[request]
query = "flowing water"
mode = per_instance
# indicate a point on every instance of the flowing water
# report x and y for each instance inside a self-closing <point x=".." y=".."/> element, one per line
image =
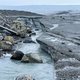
<point x="10" y="69"/>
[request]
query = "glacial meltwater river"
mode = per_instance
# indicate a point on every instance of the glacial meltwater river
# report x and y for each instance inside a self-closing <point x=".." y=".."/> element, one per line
<point x="10" y="69"/>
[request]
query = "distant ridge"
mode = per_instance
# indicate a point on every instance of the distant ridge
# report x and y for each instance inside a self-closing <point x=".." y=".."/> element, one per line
<point x="20" y="13"/>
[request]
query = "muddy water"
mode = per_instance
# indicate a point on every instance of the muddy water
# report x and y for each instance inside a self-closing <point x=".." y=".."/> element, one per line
<point x="9" y="69"/>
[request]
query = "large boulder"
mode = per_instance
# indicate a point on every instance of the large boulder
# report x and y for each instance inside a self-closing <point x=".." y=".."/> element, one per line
<point x="9" y="38"/>
<point x="20" y="27"/>
<point x="6" y="45"/>
<point x="17" y="55"/>
<point x="31" y="58"/>
<point x="24" y="77"/>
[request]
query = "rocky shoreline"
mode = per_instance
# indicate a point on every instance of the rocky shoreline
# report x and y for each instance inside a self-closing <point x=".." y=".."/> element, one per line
<point x="60" y="38"/>
<point x="61" y="41"/>
<point x="63" y="56"/>
<point x="18" y="31"/>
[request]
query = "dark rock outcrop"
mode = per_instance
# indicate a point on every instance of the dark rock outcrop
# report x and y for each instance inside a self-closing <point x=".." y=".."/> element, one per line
<point x="17" y="55"/>
<point x="25" y="59"/>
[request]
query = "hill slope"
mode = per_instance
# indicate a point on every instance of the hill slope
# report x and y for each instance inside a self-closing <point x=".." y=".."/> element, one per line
<point x="15" y="13"/>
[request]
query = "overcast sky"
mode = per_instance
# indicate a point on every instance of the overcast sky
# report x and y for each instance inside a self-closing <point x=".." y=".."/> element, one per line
<point x="39" y="2"/>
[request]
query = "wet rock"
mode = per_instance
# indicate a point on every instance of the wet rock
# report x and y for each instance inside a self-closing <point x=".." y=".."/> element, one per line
<point x="25" y="59"/>
<point x="31" y="58"/>
<point x="71" y="62"/>
<point x="20" y="27"/>
<point x="9" y="38"/>
<point x="24" y="77"/>
<point x="53" y="45"/>
<point x="17" y="55"/>
<point x="69" y="73"/>
<point x="22" y="33"/>
<point x="6" y="45"/>
<point x="28" y="40"/>
<point x="67" y="30"/>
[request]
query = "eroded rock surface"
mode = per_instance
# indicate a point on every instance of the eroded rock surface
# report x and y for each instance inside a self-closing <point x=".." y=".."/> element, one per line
<point x="31" y="58"/>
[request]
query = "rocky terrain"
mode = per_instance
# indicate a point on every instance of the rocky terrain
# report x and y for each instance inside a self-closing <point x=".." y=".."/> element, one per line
<point x="60" y="38"/>
<point x="62" y="41"/>
<point x="17" y="27"/>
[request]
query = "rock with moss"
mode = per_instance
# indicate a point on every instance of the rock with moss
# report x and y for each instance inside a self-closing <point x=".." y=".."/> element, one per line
<point x="9" y="38"/>
<point x="6" y="45"/>
<point x="20" y="27"/>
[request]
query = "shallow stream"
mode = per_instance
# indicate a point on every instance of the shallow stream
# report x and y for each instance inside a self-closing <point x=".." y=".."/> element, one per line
<point x="10" y="69"/>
